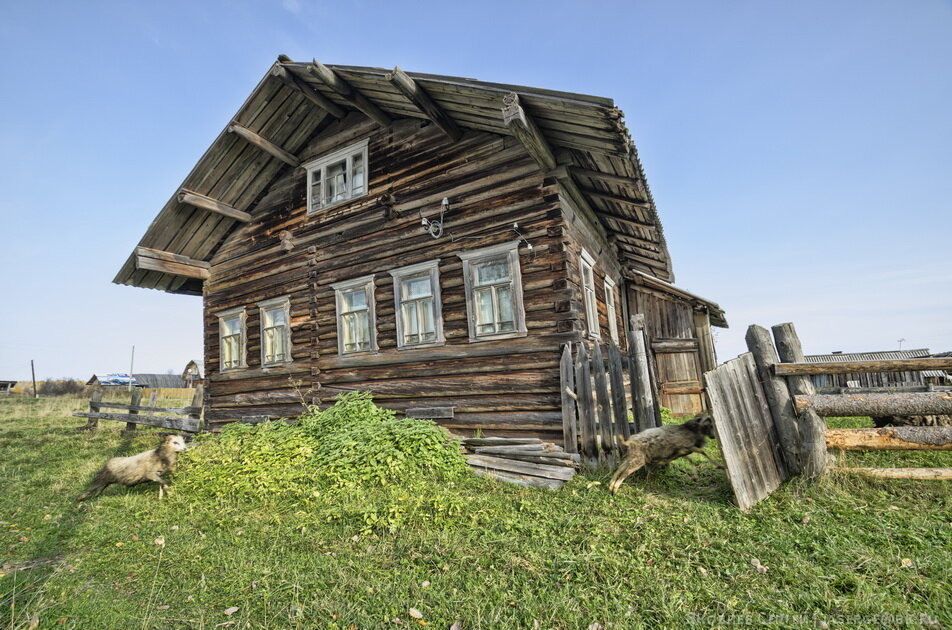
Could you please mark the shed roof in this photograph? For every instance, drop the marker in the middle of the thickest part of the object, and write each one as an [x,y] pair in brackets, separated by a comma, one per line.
[596,160]
[884,355]
[158,380]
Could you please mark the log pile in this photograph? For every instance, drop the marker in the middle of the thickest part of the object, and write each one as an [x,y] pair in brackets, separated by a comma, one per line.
[528,462]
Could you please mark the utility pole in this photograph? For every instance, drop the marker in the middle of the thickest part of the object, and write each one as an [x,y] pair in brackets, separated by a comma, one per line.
[900,342]
[33,372]
[131,363]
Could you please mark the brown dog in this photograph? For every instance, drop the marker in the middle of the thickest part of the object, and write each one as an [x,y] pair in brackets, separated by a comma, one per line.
[662,445]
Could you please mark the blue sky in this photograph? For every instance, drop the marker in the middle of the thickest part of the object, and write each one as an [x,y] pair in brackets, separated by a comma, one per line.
[800,152]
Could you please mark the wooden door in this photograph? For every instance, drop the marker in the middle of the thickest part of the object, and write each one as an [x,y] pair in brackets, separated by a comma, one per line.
[679,375]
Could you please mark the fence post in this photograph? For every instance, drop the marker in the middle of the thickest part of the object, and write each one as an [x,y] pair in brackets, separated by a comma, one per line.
[94,399]
[605,427]
[569,419]
[586,407]
[135,401]
[643,396]
[813,453]
[778,396]
[198,402]
[620,407]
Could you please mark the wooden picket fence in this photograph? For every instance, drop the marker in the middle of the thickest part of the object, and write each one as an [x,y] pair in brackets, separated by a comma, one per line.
[596,399]
[770,424]
[182,419]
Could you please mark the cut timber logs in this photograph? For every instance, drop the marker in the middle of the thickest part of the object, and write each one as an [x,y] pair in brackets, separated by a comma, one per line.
[315,97]
[527,132]
[901,473]
[347,92]
[422,101]
[264,144]
[916,404]
[524,468]
[172,264]
[526,462]
[863,367]
[199,200]
[890,439]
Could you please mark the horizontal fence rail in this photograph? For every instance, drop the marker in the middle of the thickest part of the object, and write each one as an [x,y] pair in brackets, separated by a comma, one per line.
[183,419]
[862,367]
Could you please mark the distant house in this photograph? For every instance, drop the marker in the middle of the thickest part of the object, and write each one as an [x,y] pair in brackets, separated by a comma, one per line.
[938,377]
[174,381]
[192,375]
[886,379]
[6,387]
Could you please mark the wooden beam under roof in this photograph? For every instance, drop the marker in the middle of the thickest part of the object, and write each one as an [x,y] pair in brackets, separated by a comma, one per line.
[264,144]
[608,178]
[348,92]
[310,94]
[173,264]
[527,132]
[422,101]
[638,203]
[199,200]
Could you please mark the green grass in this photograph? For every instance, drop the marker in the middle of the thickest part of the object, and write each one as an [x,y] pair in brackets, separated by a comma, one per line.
[668,551]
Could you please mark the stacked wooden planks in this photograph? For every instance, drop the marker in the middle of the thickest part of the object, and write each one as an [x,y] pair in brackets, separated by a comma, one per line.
[528,462]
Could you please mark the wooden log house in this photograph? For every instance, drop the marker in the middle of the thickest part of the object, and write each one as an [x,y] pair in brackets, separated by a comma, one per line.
[434,239]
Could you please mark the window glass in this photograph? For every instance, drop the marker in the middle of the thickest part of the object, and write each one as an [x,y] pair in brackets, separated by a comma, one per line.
[492,271]
[357,175]
[335,181]
[355,299]
[338,177]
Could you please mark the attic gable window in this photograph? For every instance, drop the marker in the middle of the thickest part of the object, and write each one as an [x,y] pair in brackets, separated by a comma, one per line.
[356,320]
[231,339]
[587,264]
[494,292]
[336,178]
[275,331]
[416,291]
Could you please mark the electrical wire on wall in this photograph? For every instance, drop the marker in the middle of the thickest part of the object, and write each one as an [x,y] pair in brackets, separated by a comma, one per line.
[436,229]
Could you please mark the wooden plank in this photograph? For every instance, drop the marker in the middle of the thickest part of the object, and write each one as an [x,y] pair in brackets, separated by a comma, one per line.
[586,405]
[890,439]
[628,201]
[94,404]
[940,474]
[422,101]
[606,428]
[174,264]
[524,468]
[264,144]
[535,458]
[527,481]
[188,425]
[674,345]
[902,404]
[569,415]
[616,377]
[175,410]
[199,200]
[862,367]
[429,412]
[291,80]
[643,395]
[521,125]
[497,441]
[778,396]
[608,178]
[135,400]
[347,92]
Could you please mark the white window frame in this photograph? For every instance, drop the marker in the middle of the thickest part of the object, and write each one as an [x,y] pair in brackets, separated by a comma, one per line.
[611,309]
[241,313]
[587,262]
[317,167]
[431,269]
[269,305]
[470,259]
[367,283]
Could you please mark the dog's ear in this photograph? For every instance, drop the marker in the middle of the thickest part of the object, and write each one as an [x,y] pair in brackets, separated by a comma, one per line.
[706,425]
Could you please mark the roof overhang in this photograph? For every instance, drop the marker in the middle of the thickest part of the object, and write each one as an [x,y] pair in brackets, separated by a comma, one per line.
[716,313]
[579,140]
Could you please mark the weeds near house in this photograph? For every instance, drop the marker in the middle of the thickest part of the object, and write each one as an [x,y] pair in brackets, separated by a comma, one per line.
[665,552]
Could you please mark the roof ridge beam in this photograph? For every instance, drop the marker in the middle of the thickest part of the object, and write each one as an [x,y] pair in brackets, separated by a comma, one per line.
[199,200]
[264,144]
[348,92]
[423,102]
[524,128]
[173,264]
[318,99]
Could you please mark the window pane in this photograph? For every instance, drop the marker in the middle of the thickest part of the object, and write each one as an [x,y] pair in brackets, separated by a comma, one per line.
[362,325]
[418,287]
[354,299]
[427,320]
[230,326]
[357,175]
[484,309]
[494,270]
[316,189]
[504,304]
[335,181]
[278,343]
[227,352]
[411,323]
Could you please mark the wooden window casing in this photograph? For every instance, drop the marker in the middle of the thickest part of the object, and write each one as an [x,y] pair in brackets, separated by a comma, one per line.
[337,177]
[275,318]
[419,310]
[587,265]
[610,308]
[356,316]
[232,339]
[493,282]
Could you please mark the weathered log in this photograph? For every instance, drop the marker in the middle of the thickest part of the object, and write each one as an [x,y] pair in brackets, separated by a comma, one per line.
[520,480]
[264,144]
[901,473]
[523,468]
[643,394]
[890,439]
[778,397]
[310,94]
[569,398]
[813,455]
[524,128]
[176,410]
[863,367]
[347,92]
[422,101]
[534,458]
[498,441]
[199,200]
[917,404]
[173,264]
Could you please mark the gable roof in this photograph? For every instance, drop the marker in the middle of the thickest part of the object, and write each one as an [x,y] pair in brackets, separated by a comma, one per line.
[595,160]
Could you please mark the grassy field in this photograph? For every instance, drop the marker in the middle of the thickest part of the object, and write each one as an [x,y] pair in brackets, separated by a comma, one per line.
[668,551]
